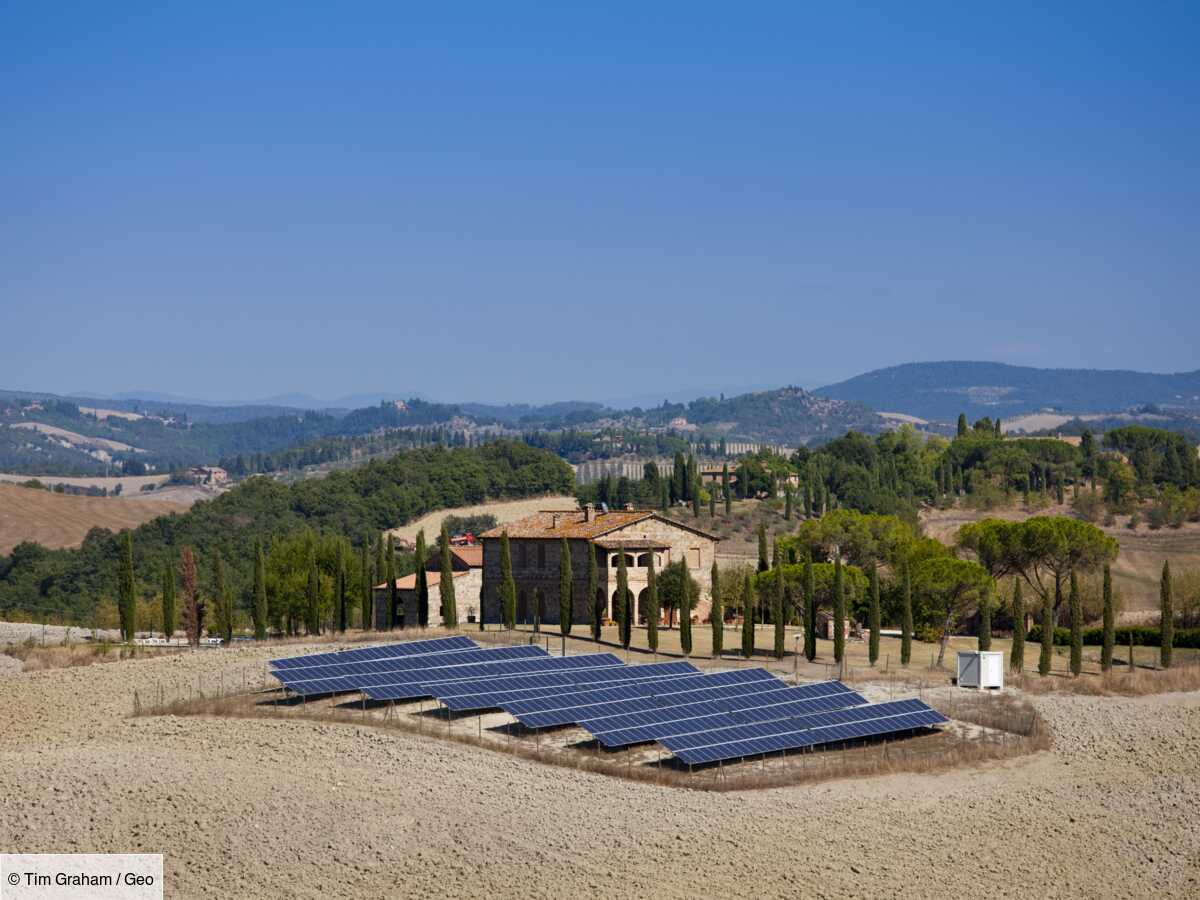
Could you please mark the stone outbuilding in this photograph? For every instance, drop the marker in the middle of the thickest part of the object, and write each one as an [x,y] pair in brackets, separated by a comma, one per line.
[535,545]
[467,565]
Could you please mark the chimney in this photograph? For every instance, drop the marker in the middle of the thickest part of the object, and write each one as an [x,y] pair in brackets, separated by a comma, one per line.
[589,512]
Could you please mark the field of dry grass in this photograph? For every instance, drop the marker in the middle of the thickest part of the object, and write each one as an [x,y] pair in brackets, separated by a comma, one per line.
[295,806]
[504,511]
[63,520]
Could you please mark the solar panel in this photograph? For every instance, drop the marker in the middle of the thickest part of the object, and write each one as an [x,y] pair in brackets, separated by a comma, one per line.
[411,685]
[566,709]
[488,693]
[383,651]
[739,740]
[650,725]
[408,668]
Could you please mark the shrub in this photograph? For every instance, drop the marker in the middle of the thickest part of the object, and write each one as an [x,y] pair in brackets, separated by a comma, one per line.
[1143,636]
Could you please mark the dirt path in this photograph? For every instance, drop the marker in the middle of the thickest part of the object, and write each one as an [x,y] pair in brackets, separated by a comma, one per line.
[268,808]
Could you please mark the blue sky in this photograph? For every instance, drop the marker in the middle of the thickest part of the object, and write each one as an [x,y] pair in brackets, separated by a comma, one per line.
[512,202]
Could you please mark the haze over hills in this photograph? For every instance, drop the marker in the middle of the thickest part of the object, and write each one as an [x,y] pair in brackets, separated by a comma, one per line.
[939,391]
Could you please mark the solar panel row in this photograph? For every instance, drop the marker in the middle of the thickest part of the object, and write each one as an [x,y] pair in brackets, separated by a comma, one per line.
[384,651]
[428,667]
[489,693]
[651,725]
[410,685]
[737,741]
[566,709]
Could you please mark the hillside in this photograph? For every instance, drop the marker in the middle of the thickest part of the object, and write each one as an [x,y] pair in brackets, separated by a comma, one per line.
[941,390]
[789,415]
[1137,569]
[346,505]
[63,520]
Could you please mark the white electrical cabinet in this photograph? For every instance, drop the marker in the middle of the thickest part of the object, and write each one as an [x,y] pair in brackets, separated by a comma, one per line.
[981,669]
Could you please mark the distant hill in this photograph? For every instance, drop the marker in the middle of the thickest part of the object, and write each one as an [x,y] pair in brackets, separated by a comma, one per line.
[789,415]
[939,391]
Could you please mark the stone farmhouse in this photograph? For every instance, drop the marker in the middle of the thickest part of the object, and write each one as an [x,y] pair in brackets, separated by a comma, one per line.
[467,566]
[535,545]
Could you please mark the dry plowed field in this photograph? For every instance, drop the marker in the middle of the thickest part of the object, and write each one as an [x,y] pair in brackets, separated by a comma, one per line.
[62,520]
[299,808]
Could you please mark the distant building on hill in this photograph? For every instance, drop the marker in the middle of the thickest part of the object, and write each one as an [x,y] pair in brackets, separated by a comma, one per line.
[535,544]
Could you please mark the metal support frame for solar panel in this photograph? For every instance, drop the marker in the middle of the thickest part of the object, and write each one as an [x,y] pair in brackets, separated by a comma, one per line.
[568,710]
[489,693]
[407,670]
[412,688]
[409,663]
[740,741]
[378,653]
[645,726]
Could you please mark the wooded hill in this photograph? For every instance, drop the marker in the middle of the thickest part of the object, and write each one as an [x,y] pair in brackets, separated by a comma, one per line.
[939,391]
[354,504]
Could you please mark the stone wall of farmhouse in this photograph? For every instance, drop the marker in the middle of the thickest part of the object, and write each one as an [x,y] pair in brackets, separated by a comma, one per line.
[535,564]
[467,590]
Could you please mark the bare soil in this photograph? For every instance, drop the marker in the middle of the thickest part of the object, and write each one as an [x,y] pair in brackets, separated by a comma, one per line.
[299,808]
[505,511]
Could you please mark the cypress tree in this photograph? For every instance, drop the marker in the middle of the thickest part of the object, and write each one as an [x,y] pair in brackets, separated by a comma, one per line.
[839,611]
[665,498]
[621,604]
[168,600]
[787,503]
[777,611]
[906,616]
[717,614]
[985,621]
[810,611]
[446,582]
[685,612]
[873,617]
[747,617]
[260,593]
[367,587]
[763,564]
[339,590]
[422,581]
[593,589]
[537,610]
[566,588]
[380,568]
[725,489]
[1046,657]
[312,614]
[1076,609]
[1017,657]
[508,588]
[1166,618]
[1106,651]
[651,606]
[712,503]
[389,562]
[962,425]
[696,498]
[127,608]
[193,608]
[222,600]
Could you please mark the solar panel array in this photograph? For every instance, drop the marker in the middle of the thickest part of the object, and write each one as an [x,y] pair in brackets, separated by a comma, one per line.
[489,693]
[700,718]
[384,651]
[353,676]
[741,740]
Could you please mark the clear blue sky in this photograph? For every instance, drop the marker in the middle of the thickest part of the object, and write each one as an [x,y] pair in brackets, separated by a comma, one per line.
[507,202]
